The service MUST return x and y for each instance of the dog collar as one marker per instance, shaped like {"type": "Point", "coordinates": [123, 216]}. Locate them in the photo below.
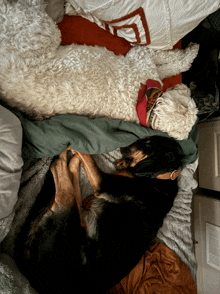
{"type": "Point", "coordinates": [147, 97]}
{"type": "Point", "coordinates": [169, 176]}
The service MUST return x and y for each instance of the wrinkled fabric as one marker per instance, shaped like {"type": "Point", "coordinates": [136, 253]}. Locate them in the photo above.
{"type": "Point", "coordinates": [159, 271]}
{"type": "Point", "coordinates": [10, 160]}
{"type": "Point", "coordinates": [91, 136]}
{"type": "Point", "coordinates": [177, 223]}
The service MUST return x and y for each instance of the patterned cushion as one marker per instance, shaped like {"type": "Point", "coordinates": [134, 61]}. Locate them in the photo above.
{"type": "Point", "coordinates": [157, 24]}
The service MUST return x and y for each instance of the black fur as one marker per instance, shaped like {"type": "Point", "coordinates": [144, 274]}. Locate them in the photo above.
{"type": "Point", "coordinates": [164, 155]}
{"type": "Point", "coordinates": [59, 257]}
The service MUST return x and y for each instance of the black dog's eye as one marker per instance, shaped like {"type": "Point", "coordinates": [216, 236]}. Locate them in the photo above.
{"type": "Point", "coordinates": [128, 160]}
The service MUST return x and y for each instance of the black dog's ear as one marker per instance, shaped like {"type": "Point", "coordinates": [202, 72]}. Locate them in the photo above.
{"type": "Point", "coordinates": [170, 158]}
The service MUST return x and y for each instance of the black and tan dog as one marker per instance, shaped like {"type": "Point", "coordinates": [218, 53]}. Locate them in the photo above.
{"type": "Point", "coordinates": [69, 246]}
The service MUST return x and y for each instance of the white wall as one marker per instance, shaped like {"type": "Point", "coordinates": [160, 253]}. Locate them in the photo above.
{"type": "Point", "coordinates": [205, 209]}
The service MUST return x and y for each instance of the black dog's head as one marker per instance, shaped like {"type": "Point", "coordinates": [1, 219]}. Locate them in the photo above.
{"type": "Point", "coordinates": [152, 156]}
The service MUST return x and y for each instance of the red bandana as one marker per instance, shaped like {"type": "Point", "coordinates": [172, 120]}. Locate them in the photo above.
{"type": "Point", "coordinates": [147, 97]}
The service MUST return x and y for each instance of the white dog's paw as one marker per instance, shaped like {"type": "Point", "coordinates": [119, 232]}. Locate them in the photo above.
{"type": "Point", "coordinates": [190, 54]}
{"type": "Point", "coordinates": [192, 49]}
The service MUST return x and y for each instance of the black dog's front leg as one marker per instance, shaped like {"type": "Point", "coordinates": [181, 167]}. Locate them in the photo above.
{"type": "Point", "coordinates": [92, 171]}
{"type": "Point", "coordinates": [66, 178]}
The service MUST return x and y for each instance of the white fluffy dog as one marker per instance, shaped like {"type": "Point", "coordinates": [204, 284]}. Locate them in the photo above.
{"type": "Point", "coordinates": [42, 78]}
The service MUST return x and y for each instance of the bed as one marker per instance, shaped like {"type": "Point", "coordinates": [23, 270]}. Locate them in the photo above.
{"type": "Point", "coordinates": [170, 265]}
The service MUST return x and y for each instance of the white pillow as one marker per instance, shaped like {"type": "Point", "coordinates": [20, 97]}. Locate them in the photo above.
{"type": "Point", "coordinates": [158, 24]}
{"type": "Point", "coordinates": [10, 160]}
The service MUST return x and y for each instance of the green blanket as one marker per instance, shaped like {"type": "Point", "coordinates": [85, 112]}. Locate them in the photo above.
{"type": "Point", "coordinates": [94, 136]}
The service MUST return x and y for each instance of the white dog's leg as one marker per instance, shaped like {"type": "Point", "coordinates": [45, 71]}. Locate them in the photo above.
{"type": "Point", "coordinates": [172, 62]}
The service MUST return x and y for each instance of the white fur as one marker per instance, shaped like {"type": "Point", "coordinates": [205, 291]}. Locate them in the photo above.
{"type": "Point", "coordinates": [175, 112]}
{"type": "Point", "coordinates": [42, 78]}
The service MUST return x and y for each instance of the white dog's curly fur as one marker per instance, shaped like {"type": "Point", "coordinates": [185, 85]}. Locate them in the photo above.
{"type": "Point", "coordinates": [42, 78]}
{"type": "Point", "coordinates": [173, 110]}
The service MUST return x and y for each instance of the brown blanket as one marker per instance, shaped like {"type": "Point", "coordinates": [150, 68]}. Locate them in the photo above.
{"type": "Point", "coordinates": [159, 271]}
